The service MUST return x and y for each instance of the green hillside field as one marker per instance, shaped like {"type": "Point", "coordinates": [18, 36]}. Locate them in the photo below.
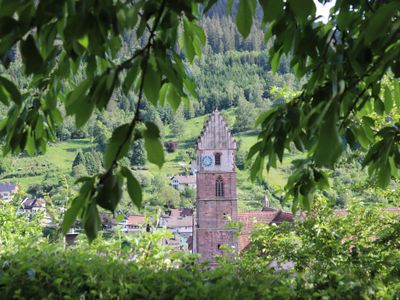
{"type": "Point", "coordinates": [58, 159]}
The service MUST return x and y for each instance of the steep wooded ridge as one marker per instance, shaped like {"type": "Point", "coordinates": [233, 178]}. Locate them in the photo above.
{"type": "Point", "coordinates": [234, 75]}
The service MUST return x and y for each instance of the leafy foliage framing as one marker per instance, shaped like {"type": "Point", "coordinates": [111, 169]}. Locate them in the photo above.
{"type": "Point", "coordinates": [342, 61]}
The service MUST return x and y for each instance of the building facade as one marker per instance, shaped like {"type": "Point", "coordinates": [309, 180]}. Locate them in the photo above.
{"type": "Point", "coordinates": [216, 199]}
{"type": "Point", "coordinates": [7, 191]}
{"type": "Point", "coordinates": [180, 182]}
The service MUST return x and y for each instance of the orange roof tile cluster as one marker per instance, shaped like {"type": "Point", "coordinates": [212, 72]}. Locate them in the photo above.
{"type": "Point", "coordinates": [135, 220]}
{"type": "Point", "coordinates": [267, 216]}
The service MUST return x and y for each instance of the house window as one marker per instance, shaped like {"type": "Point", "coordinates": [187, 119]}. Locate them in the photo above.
{"type": "Point", "coordinates": [217, 157]}
{"type": "Point", "coordinates": [219, 187]}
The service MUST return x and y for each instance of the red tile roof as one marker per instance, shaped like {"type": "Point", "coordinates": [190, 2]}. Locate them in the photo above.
{"type": "Point", "coordinates": [136, 220]}
{"type": "Point", "coordinates": [282, 216]}
{"type": "Point", "coordinates": [248, 219]}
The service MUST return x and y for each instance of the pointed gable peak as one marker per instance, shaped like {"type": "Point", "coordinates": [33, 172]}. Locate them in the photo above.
{"type": "Point", "coordinates": [216, 134]}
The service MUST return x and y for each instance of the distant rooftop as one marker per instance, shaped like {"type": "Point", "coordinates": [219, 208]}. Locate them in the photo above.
{"type": "Point", "coordinates": [182, 217]}
{"type": "Point", "coordinates": [185, 179]}
{"type": "Point", "coordinates": [7, 186]}
{"type": "Point", "coordinates": [29, 203]}
{"type": "Point", "coordinates": [136, 220]}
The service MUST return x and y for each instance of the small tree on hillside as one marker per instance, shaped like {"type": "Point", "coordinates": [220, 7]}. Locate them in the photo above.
{"type": "Point", "coordinates": [137, 155]}
{"type": "Point", "coordinates": [79, 159]}
{"type": "Point", "coordinates": [178, 124]}
{"type": "Point", "coordinates": [245, 116]}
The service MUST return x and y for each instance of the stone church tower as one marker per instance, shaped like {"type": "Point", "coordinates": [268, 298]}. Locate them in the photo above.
{"type": "Point", "coordinates": [216, 188]}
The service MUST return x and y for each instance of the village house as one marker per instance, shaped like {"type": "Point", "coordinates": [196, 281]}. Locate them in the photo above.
{"type": "Point", "coordinates": [180, 182]}
{"type": "Point", "coordinates": [32, 205]}
{"type": "Point", "coordinates": [180, 223]}
{"type": "Point", "coordinates": [178, 220]}
{"type": "Point", "coordinates": [7, 190]}
{"type": "Point", "coordinates": [134, 223]}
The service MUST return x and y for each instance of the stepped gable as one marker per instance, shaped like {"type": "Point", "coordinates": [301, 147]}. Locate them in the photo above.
{"type": "Point", "coordinates": [215, 134]}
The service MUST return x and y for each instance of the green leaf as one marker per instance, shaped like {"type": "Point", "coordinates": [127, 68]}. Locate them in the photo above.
{"type": "Point", "coordinates": [272, 9]}
{"type": "Point", "coordinates": [84, 41]}
{"type": "Point", "coordinates": [163, 93]}
{"type": "Point", "coordinates": [388, 99]}
{"type": "Point", "coordinates": [31, 57]}
{"type": "Point", "coordinates": [384, 175]}
{"type": "Point", "coordinates": [110, 193]}
{"type": "Point", "coordinates": [152, 84]}
{"type": "Point", "coordinates": [74, 98]}
{"type": "Point", "coordinates": [329, 147]}
{"type": "Point", "coordinates": [152, 143]}
{"type": "Point", "coordinates": [9, 90]}
{"type": "Point", "coordinates": [190, 86]}
{"type": "Point", "coordinates": [275, 61]}
{"type": "Point", "coordinates": [30, 144]}
{"type": "Point", "coordinates": [187, 40]}
{"type": "Point", "coordinates": [91, 222]}
{"type": "Point", "coordinates": [379, 107]}
{"type": "Point", "coordinates": [133, 186]}
{"type": "Point", "coordinates": [127, 18]}
{"type": "Point", "coordinates": [84, 113]}
{"type": "Point", "coordinates": [199, 33]}
{"type": "Point", "coordinates": [244, 16]}
{"type": "Point", "coordinates": [173, 97]}
{"type": "Point", "coordinates": [396, 87]}
{"type": "Point", "coordinates": [72, 213]}
{"type": "Point", "coordinates": [344, 19]}
{"type": "Point", "coordinates": [77, 203]}
{"type": "Point", "coordinates": [118, 145]}
{"type": "Point", "coordinates": [379, 21]}
{"type": "Point", "coordinates": [302, 9]}
{"type": "Point", "coordinates": [130, 77]}
{"type": "Point", "coordinates": [229, 6]}
{"type": "Point", "coordinates": [321, 179]}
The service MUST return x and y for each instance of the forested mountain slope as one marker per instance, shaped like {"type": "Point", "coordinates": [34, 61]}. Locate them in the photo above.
{"type": "Point", "coordinates": [233, 75]}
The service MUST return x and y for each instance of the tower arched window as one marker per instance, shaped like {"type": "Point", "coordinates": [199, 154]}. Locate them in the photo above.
{"type": "Point", "coordinates": [217, 158]}
{"type": "Point", "coordinates": [219, 187]}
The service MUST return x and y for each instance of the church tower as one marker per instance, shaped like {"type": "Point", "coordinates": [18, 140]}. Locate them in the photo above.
{"type": "Point", "coordinates": [216, 188]}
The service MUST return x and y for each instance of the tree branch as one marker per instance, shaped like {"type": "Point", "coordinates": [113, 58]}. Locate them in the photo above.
{"type": "Point", "coordinates": [146, 52]}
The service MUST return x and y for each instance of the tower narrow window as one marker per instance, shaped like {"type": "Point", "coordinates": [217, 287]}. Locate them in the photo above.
{"type": "Point", "coordinates": [219, 187]}
{"type": "Point", "coordinates": [217, 159]}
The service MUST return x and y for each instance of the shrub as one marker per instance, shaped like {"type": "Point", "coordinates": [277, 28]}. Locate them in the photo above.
{"type": "Point", "coordinates": [49, 273]}
{"type": "Point", "coordinates": [171, 146]}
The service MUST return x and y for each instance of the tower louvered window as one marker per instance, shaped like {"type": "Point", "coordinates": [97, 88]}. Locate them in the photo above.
{"type": "Point", "coordinates": [217, 159]}
{"type": "Point", "coordinates": [219, 187]}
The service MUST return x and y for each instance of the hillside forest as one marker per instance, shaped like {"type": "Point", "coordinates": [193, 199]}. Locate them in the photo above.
{"type": "Point", "coordinates": [234, 75]}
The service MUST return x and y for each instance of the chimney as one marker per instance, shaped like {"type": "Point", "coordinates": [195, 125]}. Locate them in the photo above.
{"type": "Point", "coordinates": [266, 201]}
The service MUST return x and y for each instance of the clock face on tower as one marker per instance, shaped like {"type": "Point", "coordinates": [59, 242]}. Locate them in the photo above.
{"type": "Point", "coordinates": [206, 161]}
